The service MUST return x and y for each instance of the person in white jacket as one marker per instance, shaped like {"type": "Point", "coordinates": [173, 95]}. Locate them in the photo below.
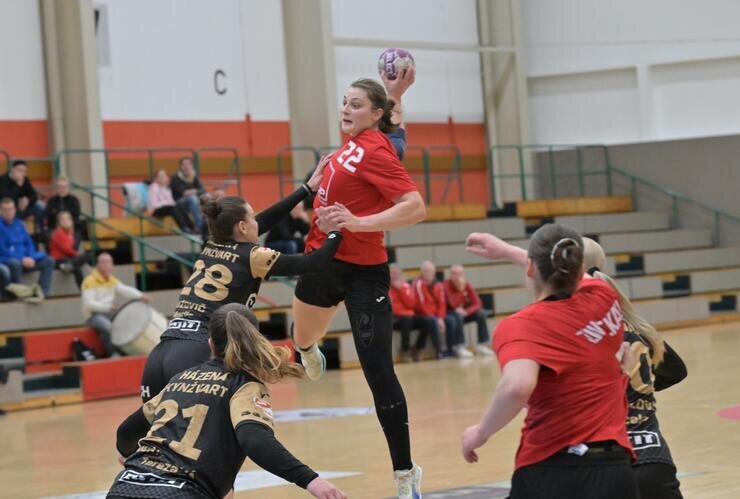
{"type": "Point", "coordinates": [101, 291]}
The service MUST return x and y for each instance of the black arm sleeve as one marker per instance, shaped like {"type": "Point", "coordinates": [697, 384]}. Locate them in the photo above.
{"type": "Point", "coordinates": [30, 192]}
{"type": "Point", "coordinates": [199, 185]}
{"type": "Point", "coordinates": [131, 430]}
{"type": "Point", "coordinates": [259, 444]}
{"type": "Point", "coordinates": [669, 372]}
{"type": "Point", "coordinates": [74, 208]}
{"type": "Point", "coordinates": [308, 263]}
{"type": "Point", "coordinates": [272, 215]}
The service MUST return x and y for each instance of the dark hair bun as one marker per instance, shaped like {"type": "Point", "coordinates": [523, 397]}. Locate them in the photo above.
{"type": "Point", "coordinates": [210, 207]}
{"type": "Point", "coordinates": [566, 255]}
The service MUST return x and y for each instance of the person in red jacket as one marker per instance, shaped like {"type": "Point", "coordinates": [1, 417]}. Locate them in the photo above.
{"type": "Point", "coordinates": [63, 246]}
{"type": "Point", "coordinates": [431, 302]}
{"type": "Point", "coordinates": [465, 305]}
{"type": "Point", "coordinates": [559, 357]}
{"type": "Point", "coordinates": [405, 318]}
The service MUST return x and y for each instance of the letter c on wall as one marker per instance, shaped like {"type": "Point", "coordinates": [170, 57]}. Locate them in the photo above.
{"type": "Point", "coordinates": [218, 82]}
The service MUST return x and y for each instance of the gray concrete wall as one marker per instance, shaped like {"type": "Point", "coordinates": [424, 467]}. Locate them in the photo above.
{"type": "Point", "coordinates": [704, 169]}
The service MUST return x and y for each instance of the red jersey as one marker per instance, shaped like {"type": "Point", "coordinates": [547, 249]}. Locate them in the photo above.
{"type": "Point", "coordinates": [581, 391]}
{"type": "Point", "coordinates": [365, 176]}
{"type": "Point", "coordinates": [403, 300]}
{"type": "Point", "coordinates": [62, 244]}
{"type": "Point", "coordinates": [466, 298]}
{"type": "Point", "coordinates": [430, 298]}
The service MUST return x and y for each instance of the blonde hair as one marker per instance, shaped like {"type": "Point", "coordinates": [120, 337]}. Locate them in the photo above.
{"type": "Point", "coordinates": [244, 349]}
{"type": "Point", "coordinates": [594, 257]}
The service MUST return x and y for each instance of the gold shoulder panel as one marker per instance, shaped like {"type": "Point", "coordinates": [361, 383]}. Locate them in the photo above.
{"type": "Point", "coordinates": [251, 402]}
{"type": "Point", "coordinates": [261, 260]}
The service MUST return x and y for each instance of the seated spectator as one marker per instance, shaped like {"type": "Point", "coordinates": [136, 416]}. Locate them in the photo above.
{"type": "Point", "coordinates": [18, 252]}
{"type": "Point", "coordinates": [187, 189]}
{"type": "Point", "coordinates": [63, 200]}
{"type": "Point", "coordinates": [431, 297]}
{"type": "Point", "coordinates": [465, 305]}
{"type": "Point", "coordinates": [63, 247]}
{"type": "Point", "coordinates": [430, 303]}
{"type": "Point", "coordinates": [17, 186]}
{"type": "Point", "coordinates": [405, 318]}
{"type": "Point", "coordinates": [100, 290]}
{"type": "Point", "coordinates": [287, 236]}
{"type": "Point", "coordinates": [160, 202]}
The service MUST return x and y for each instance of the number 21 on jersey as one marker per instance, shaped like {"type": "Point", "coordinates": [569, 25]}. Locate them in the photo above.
{"type": "Point", "coordinates": [355, 154]}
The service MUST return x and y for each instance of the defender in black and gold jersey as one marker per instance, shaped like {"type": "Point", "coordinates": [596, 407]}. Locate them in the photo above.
{"type": "Point", "coordinates": [191, 439]}
{"type": "Point", "coordinates": [230, 269]}
{"type": "Point", "coordinates": [652, 366]}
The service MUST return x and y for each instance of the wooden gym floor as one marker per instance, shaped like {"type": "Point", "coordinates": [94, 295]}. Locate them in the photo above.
{"type": "Point", "coordinates": [70, 450]}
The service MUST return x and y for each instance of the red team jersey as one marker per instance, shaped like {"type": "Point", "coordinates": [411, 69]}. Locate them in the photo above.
{"type": "Point", "coordinates": [581, 391]}
{"type": "Point", "coordinates": [365, 176]}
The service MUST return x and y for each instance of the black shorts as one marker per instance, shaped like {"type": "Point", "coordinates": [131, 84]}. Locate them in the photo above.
{"type": "Point", "coordinates": [168, 358]}
{"type": "Point", "coordinates": [657, 481]}
{"type": "Point", "coordinates": [607, 475]}
{"type": "Point", "coordinates": [345, 281]}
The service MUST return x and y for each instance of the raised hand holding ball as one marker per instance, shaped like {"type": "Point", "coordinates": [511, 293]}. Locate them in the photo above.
{"type": "Point", "coordinates": [394, 61]}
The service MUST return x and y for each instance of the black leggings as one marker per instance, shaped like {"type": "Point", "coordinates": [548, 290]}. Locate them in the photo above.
{"type": "Point", "coordinates": [168, 358]}
{"type": "Point", "coordinates": [364, 290]}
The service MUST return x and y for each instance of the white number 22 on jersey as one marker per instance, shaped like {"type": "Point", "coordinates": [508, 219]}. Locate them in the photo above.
{"type": "Point", "coordinates": [350, 163]}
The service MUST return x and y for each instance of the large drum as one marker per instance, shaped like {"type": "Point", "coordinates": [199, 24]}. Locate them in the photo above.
{"type": "Point", "coordinates": [137, 327]}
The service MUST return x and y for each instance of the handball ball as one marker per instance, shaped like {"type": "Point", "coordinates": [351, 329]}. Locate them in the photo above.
{"type": "Point", "coordinates": [393, 61]}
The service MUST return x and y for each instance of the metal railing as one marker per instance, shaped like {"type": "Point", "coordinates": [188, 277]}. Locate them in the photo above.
{"type": "Point", "coordinates": [549, 172]}
{"type": "Point", "coordinates": [675, 197]}
{"type": "Point", "coordinates": [6, 154]}
{"type": "Point", "coordinates": [141, 242]}
{"type": "Point", "coordinates": [454, 173]}
{"type": "Point", "coordinates": [194, 241]}
{"type": "Point", "coordinates": [151, 154]}
{"type": "Point", "coordinates": [280, 155]}
{"type": "Point", "coordinates": [234, 167]}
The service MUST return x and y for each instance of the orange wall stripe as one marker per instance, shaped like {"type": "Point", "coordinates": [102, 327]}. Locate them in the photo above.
{"type": "Point", "coordinates": [266, 136]}
{"type": "Point", "coordinates": [257, 138]}
{"type": "Point", "coordinates": [25, 137]}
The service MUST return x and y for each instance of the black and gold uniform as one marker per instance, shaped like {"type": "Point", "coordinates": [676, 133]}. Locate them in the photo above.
{"type": "Point", "coordinates": [654, 468]}
{"type": "Point", "coordinates": [229, 272]}
{"type": "Point", "coordinates": [192, 438]}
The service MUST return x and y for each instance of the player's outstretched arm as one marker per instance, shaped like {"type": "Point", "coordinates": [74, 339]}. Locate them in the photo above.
{"type": "Point", "coordinates": [518, 381]}
{"type": "Point", "coordinates": [308, 263]}
{"type": "Point", "coordinates": [259, 444]}
{"type": "Point", "coordinates": [493, 248]}
{"type": "Point", "coordinates": [268, 217]}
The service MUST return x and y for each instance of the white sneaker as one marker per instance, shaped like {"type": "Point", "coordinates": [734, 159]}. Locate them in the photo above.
{"type": "Point", "coordinates": [462, 353]}
{"type": "Point", "coordinates": [484, 349]}
{"type": "Point", "coordinates": [408, 483]}
{"type": "Point", "coordinates": [313, 362]}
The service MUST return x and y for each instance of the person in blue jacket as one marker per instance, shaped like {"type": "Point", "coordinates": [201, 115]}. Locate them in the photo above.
{"type": "Point", "coordinates": [18, 252]}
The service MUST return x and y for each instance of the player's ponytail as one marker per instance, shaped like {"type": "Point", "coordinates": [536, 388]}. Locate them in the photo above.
{"type": "Point", "coordinates": [244, 349]}
{"type": "Point", "coordinates": [635, 322]}
{"type": "Point", "coordinates": [379, 100]}
{"type": "Point", "coordinates": [594, 258]}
